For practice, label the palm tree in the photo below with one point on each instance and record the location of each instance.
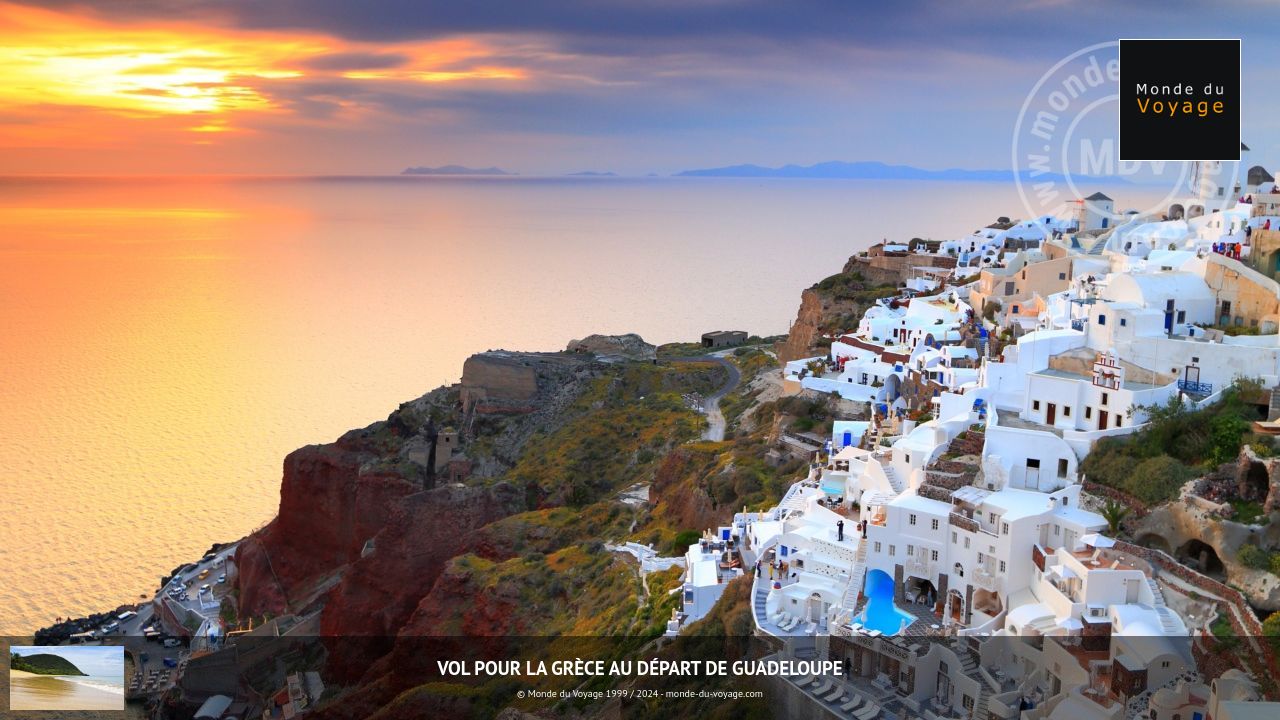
(1115, 513)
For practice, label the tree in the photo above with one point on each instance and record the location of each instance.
(1115, 513)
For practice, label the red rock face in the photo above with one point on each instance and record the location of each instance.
(329, 508)
(380, 592)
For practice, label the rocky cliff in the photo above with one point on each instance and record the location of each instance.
(835, 305)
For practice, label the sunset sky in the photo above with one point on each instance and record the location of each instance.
(339, 86)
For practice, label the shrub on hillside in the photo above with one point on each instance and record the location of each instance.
(1157, 479)
(1254, 557)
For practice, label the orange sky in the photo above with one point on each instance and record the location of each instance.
(552, 86)
(71, 83)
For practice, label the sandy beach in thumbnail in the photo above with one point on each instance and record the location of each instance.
(28, 691)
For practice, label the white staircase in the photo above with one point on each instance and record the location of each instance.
(849, 603)
(894, 481)
(1156, 593)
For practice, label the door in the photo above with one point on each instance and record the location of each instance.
(1051, 414)
(1102, 419)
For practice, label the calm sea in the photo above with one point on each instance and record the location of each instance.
(165, 342)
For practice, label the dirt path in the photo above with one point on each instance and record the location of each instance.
(711, 404)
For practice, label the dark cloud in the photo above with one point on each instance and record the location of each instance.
(340, 62)
(634, 27)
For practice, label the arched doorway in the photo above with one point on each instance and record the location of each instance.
(955, 603)
(1201, 556)
(1176, 211)
(814, 608)
(1155, 541)
(921, 591)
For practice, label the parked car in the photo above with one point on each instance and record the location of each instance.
(171, 642)
(222, 578)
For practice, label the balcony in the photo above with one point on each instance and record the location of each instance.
(986, 580)
(964, 523)
(1195, 388)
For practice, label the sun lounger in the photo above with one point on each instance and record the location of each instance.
(868, 712)
(834, 695)
(853, 702)
(809, 680)
(823, 686)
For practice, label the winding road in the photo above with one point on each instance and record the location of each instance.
(711, 403)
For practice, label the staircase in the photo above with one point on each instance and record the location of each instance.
(849, 603)
(1157, 593)
(1168, 622)
(761, 614)
(1273, 411)
(980, 703)
(894, 481)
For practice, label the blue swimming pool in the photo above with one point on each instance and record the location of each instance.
(880, 613)
(833, 487)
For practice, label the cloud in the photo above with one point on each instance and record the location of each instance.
(344, 61)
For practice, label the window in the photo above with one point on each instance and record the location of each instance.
(1066, 411)
(933, 555)
(1008, 288)
(1105, 397)
(1182, 317)
(893, 550)
(1004, 528)
(1123, 322)
(1062, 467)
(953, 537)
(1035, 405)
(1102, 319)
(1033, 463)
(1118, 419)
(1088, 412)
(877, 546)
(934, 523)
(911, 551)
(1057, 530)
(1002, 566)
(1015, 310)
(1062, 276)
(912, 519)
(966, 543)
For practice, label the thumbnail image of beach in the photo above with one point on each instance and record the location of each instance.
(66, 678)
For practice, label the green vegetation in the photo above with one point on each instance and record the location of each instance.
(1114, 513)
(1177, 443)
(1247, 512)
(682, 541)
(1271, 628)
(1259, 559)
(43, 664)
(1234, 330)
(808, 415)
(622, 424)
(854, 286)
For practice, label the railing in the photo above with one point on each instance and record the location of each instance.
(1196, 388)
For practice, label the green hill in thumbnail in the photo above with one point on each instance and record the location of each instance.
(43, 664)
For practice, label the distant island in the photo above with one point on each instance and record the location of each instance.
(870, 170)
(43, 664)
(453, 170)
(591, 173)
